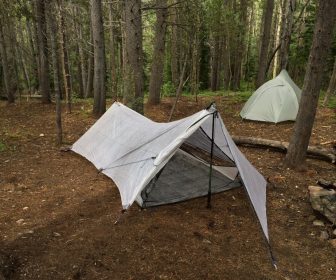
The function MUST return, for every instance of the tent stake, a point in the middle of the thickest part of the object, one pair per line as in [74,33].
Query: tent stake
[211,158]
[122,212]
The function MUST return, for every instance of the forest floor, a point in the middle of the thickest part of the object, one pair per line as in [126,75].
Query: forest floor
[57,212]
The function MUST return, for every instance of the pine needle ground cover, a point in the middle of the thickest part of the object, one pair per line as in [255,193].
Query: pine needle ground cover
[57,212]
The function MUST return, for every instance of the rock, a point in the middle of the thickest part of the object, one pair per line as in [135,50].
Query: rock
[25,208]
[318,223]
[311,218]
[56,234]
[323,201]
[333,242]
[324,235]
[20,221]
[334,232]
[206,241]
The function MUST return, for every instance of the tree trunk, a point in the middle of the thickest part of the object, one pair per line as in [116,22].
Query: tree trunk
[195,52]
[287,26]
[133,63]
[174,51]
[52,22]
[79,56]
[64,56]
[323,32]
[99,103]
[23,60]
[89,80]
[215,64]
[112,54]
[156,78]
[278,11]
[82,59]
[34,53]
[332,86]
[7,65]
[240,45]
[44,84]
[250,35]
[265,43]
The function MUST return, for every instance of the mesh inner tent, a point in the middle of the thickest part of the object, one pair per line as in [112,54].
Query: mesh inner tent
[184,177]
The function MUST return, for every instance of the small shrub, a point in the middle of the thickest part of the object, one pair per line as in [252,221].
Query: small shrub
[168,89]
[2,146]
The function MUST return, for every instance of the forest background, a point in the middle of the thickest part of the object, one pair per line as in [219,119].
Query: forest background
[212,45]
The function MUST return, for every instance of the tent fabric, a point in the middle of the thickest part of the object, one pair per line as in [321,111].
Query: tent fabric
[275,101]
[147,162]
[183,178]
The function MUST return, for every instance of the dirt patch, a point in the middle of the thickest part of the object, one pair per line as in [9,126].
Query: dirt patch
[57,211]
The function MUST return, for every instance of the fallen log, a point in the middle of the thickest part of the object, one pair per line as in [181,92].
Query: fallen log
[281,146]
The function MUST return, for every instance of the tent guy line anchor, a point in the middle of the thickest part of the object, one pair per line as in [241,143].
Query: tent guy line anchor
[121,214]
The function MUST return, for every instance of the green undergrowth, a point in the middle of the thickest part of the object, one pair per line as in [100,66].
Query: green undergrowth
[233,96]
[332,102]
[2,146]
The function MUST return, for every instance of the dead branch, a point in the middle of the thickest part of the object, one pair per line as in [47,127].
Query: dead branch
[179,88]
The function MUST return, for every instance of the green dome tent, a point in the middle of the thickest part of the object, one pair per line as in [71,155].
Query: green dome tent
[275,101]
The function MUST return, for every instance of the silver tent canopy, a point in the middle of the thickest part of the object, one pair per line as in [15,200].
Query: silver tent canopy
[158,163]
[275,101]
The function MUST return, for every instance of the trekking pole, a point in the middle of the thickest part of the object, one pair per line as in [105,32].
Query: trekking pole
[211,157]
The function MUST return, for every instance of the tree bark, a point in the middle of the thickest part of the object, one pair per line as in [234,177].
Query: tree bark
[89,80]
[323,32]
[52,22]
[265,43]
[7,65]
[215,64]
[44,84]
[79,73]
[133,63]
[23,60]
[99,103]
[194,71]
[34,53]
[240,45]
[332,86]
[156,78]
[174,51]
[79,55]
[64,55]
[112,54]
[287,27]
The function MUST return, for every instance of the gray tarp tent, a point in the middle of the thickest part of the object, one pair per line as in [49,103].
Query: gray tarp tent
[275,101]
[158,163]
